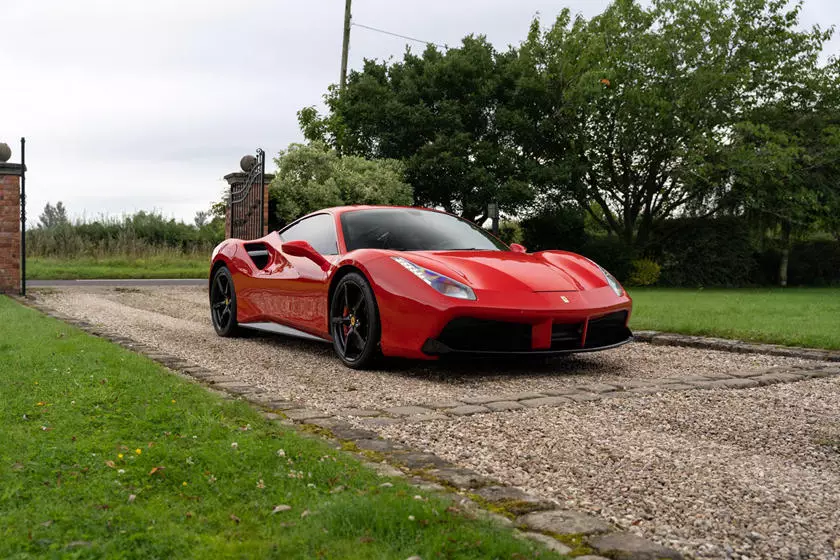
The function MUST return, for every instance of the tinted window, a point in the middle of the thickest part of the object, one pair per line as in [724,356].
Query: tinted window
[318,231]
[406,229]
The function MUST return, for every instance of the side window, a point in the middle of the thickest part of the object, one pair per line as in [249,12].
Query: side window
[318,231]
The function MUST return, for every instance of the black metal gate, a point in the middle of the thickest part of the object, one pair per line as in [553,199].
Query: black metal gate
[247,219]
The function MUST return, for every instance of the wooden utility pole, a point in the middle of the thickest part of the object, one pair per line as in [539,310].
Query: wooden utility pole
[345,47]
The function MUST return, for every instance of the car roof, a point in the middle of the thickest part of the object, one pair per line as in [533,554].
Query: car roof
[338,210]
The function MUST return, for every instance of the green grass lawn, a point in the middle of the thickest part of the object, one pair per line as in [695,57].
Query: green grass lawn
[790,316]
[158,266]
[103,453]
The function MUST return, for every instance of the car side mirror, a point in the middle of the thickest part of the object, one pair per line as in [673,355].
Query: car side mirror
[304,249]
[517,248]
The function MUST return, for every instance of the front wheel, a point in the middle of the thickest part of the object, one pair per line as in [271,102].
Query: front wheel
[354,322]
[223,304]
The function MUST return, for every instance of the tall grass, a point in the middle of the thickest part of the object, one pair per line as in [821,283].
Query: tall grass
[144,234]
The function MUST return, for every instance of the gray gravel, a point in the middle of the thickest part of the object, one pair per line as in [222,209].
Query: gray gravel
[176,320]
[742,474]
[750,473]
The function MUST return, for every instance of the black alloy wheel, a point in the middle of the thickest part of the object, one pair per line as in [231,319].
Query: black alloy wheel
[354,322]
[223,303]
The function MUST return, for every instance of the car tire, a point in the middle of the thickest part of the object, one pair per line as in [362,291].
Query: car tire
[354,322]
[223,304]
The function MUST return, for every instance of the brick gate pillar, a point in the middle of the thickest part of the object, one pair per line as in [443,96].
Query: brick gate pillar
[10,174]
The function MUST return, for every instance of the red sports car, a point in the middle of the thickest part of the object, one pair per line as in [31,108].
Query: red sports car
[414,283]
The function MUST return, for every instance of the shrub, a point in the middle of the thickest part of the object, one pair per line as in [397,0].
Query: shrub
[510,232]
[561,227]
[645,273]
[612,254]
[696,252]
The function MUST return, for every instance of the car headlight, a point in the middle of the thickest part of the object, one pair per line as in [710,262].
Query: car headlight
[614,284]
[442,284]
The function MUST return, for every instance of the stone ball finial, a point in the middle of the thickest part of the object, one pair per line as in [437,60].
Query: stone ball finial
[5,152]
[247,163]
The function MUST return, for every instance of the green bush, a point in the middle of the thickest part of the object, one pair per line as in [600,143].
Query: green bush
[695,252]
[510,232]
[811,263]
[612,254]
[561,227]
[645,273]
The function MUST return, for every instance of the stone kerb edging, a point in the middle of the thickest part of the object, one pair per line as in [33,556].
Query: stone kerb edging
[738,346]
[565,531]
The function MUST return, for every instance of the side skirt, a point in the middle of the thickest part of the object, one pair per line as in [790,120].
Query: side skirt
[281,329]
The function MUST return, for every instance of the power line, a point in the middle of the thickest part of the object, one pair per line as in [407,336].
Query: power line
[407,38]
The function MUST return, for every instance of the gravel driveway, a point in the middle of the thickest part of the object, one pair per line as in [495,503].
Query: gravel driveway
[749,473]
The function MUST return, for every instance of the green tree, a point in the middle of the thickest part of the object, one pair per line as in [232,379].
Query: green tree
[786,162]
[651,95]
[447,115]
[53,216]
[312,176]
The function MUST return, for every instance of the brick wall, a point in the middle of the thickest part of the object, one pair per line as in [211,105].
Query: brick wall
[9,228]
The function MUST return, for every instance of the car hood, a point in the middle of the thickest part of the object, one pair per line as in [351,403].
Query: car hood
[498,270]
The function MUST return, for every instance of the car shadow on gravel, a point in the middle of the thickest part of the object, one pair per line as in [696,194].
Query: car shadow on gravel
[454,370]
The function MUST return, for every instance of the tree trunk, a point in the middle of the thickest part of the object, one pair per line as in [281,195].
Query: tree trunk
[783,262]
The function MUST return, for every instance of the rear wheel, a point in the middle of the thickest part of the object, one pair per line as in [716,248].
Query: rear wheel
[223,303]
[354,322]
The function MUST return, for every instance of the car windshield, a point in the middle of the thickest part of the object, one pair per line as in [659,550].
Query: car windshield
[409,229]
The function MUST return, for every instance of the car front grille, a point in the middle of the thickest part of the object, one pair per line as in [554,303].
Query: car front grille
[607,330]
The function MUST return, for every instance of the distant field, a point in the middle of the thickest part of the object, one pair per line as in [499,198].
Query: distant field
[156,266]
[791,316]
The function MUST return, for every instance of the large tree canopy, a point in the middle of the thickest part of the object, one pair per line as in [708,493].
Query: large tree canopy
[444,115]
[653,95]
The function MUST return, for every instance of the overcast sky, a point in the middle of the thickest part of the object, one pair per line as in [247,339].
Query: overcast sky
[147,105]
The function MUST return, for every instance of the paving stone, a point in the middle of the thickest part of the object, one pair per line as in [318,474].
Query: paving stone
[521,396]
[684,379]
[648,390]
[481,400]
[816,373]
[713,375]
[378,445]
[627,546]
[616,395]
[460,478]
[282,405]
[270,416]
[591,557]
[676,387]
[407,410]
[563,522]
[545,401]
[236,387]
[305,414]
[431,417]
[504,405]
[771,378]
[746,373]
[379,422]
[597,387]
[550,543]
[583,397]
[443,404]
[736,383]
[360,412]
[417,460]
[703,384]
[631,384]
[384,469]
[467,410]
[343,430]
[560,392]
[513,499]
